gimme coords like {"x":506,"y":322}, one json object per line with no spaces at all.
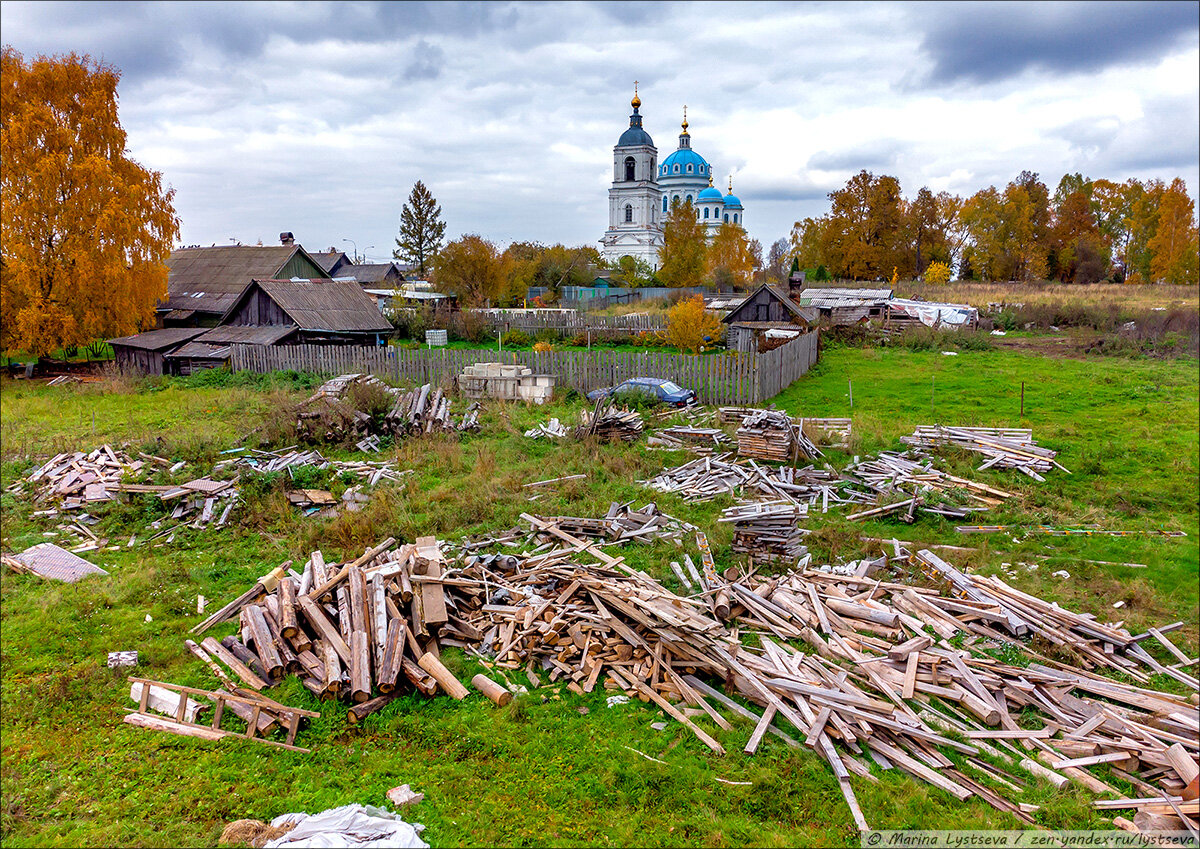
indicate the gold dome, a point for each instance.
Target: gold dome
{"x":685,"y":123}
{"x":637,"y":101}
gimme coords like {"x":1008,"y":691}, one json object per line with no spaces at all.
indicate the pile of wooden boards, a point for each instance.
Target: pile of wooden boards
{"x":620,"y":524}
{"x":69,"y":481}
{"x":767,"y":435}
{"x":1005,"y":448}
{"x":706,"y":478}
{"x":553,"y":429}
{"x":607,"y":422}
{"x":331,"y":416}
{"x":884,"y":683}
{"x":698,"y":440}
{"x":907,"y":485}
{"x":370,"y":472}
{"x":364,"y":631}
{"x":768,"y":531}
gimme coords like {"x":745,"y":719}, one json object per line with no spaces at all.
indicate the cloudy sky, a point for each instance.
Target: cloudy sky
{"x":319,"y":117}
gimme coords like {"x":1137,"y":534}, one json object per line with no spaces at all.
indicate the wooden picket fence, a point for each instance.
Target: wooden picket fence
{"x":717,"y":379}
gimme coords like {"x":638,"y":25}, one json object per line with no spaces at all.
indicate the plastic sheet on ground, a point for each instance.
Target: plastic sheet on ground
{"x":935,"y":315}
{"x":349,"y":826}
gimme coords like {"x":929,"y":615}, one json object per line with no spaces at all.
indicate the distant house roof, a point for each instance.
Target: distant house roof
{"x":368,"y":273}
{"x":331,"y":261}
{"x":158,"y":340}
{"x":835,"y":297}
{"x":250,"y":334}
{"x":210,"y":279}
{"x":807,"y":316}
{"x":339,"y":306}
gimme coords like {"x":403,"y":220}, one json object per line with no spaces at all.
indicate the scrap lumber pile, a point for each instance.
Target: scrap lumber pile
{"x":698,"y":440}
{"x":620,"y":524}
{"x":370,"y":471}
{"x":832,"y":432}
{"x":767,"y":435}
{"x":883,"y":683}
{"x":330,"y":415}
{"x":768,"y":531}
{"x":553,"y":429}
{"x":364,"y":631}
{"x":923,"y":487}
{"x":607,"y":422}
{"x":69,"y":481}
{"x":706,"y":478}
{"x":1005,"y":448}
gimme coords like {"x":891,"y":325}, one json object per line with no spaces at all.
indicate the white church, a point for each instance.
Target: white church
{"x":643,"y":192}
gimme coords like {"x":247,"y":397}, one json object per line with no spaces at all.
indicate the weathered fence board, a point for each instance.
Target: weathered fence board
{"x":717,"y":379}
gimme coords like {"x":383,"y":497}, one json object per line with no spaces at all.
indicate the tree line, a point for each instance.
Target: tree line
{"x":1085,"y":231}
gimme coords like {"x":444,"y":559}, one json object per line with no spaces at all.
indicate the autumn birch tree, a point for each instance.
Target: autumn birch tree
{"x":682,"y":257}
{"x":1174,"y":255}
{"x":85,"y":231}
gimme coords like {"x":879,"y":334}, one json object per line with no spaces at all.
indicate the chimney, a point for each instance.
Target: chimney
{"x":286,"y":239}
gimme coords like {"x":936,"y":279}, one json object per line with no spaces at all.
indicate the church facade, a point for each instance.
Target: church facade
{"x":643,"y":192}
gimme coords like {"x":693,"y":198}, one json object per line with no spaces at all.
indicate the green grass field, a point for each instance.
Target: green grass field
{"x":539,"y":772}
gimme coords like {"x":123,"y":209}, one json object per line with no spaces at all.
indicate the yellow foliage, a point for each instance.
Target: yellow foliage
{"x":689,"y":324}
{"x":937,"y":272}
{"x":542,"y":347}
{"x":86,"y":230}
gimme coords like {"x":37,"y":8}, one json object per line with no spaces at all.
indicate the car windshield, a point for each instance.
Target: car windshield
{"x":671,"y":387}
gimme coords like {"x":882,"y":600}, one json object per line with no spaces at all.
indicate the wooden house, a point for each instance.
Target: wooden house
{"x":767,"y":315}
{"x":381,"y":275}
{"x":332,"y":261}
{"x":202,"y":283}
{"x":319,"y":311}
{"x":847,"y":306}
{"x":144,"y":353}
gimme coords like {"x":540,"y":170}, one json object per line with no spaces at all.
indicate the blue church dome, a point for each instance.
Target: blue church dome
{"x":712,"y":193}
{"x":635,"y":136}
{"x":733,"y":202}
{"x":683,"y":158}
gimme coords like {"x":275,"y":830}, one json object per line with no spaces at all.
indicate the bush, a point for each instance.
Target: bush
{"x":468,"y":326}
{"x":516,"y":338}
{"x":548,"y":334}
{"x":542,"y":347}
{"x":938,"y":273}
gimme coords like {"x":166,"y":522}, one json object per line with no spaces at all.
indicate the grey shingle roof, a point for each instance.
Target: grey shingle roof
{"x":250,"y":334}
{"x":158,"y":340}
{"x":210,"y":279}
{"x":334,"y":305}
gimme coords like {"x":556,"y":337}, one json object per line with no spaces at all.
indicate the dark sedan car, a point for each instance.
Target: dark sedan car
{"x":663,"y":391}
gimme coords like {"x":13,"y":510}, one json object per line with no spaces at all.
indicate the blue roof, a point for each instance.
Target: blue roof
{"x":732,"y":201}
{"x":683,"y":157}
{"x":635,"y":136}
{"x":710,"y":194}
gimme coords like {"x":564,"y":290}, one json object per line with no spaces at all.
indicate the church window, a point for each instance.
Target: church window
{"x":689,"y":200}
{"x":726,"y":217}
{"x":628,"y":214}
{"x":735,"y":218}
{"x":676,"y":169}
{"x":706,"y":212}
{"x":664,"y":203}
{"x":675,"y":199}
{"x":689,"y":169}
{"x":629,"y":169}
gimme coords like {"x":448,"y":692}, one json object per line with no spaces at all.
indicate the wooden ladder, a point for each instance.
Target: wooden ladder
{"x":143,"y":717}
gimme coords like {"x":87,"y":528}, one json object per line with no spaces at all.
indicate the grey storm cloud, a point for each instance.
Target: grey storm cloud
{"x":318,"y":117}
{"x":987,"y":42}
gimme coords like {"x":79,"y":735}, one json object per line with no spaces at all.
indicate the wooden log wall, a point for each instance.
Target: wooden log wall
{"x":716,"y":379}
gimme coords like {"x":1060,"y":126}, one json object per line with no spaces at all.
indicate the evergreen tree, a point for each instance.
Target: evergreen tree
{"x":421,"y":229}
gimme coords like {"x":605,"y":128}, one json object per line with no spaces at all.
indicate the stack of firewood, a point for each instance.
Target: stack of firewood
{"x":766,"y":435}
{"x":698,"y":440}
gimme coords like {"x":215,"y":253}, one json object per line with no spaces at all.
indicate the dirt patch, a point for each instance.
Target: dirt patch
{"x":1065,"y":346}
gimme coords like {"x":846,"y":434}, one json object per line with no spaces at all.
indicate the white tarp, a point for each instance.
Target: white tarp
{"x":936,"y":315}
{"x":349,"y":826}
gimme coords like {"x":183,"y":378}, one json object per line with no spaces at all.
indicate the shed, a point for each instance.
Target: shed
{"x":767,"y":309}
{"x":144,"y":352}
{"x":847,"y":306}
{"x":211,"y":349}
{"x":320,"y":311}
{"x":202,"y":283}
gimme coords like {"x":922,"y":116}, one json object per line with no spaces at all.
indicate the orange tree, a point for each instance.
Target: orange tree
{"x":86,"y":231}
{"x":682,"y":256}
{"x":690,"y":326}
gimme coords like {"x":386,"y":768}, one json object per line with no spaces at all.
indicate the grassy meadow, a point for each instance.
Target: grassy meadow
{"x":542,"y":771}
